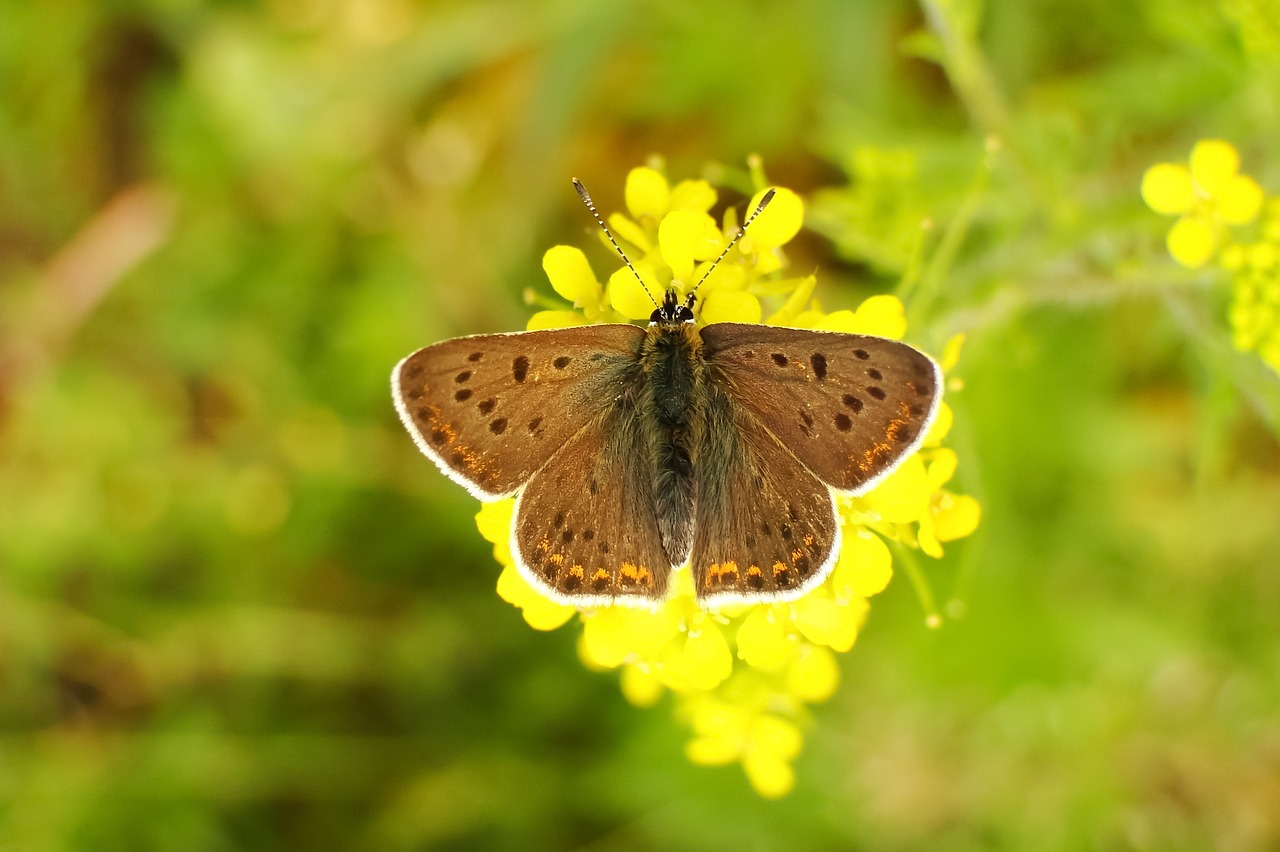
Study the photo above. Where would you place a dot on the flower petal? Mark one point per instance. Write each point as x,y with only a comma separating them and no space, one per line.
815,675
903,496
864,568
570,274
778,222
647,193
825,622
706,660
763,642
730,306
1240,200
882,316
843,320
554,319
942,466
1213,163
627,296
1167,189
625,229
640,687
540,612
1191,241
941,425
956,517
927,538
712,751
611,635
686,236
770,777
693,195
774,736
494,520
951,352
721,730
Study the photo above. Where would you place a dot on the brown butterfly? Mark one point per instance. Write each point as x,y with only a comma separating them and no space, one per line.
632,451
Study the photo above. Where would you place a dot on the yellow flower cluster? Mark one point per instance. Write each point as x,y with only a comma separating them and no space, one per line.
1254,313
1225,215
1207,196
670,236
742,676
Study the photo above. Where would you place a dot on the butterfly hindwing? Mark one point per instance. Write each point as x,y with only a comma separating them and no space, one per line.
849,406
490,410
586,526
767,527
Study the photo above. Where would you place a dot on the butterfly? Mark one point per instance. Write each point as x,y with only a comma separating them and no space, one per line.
633,451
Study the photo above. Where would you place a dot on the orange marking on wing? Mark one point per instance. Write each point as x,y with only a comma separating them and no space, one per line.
720,572
895,427
556,559
779,568
754,571
628,575
796,554
576,571
600,574
472,460
644,576
808,540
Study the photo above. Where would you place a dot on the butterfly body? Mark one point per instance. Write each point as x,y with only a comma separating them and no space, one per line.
672,417
633,451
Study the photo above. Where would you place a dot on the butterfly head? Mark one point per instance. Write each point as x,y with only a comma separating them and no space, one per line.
671,312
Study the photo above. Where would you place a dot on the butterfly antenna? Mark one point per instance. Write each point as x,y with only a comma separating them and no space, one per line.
586,199
768,196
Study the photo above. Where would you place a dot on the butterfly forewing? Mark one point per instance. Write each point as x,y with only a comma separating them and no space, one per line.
766,526
586,530
849,406
490,410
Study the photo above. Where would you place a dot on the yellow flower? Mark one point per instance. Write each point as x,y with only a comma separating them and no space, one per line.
741,676
672,241
494,522
1254,313
1210,197
1207,196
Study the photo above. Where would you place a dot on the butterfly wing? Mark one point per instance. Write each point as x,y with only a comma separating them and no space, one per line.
490,410
850,407
766,526
586,527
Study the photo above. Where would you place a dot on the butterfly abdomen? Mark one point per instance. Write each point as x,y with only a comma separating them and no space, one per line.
673,375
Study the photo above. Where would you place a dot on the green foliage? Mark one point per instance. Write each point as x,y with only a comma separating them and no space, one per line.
239,611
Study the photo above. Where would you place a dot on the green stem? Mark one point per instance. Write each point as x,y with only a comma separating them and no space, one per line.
965,64
952,239
924,592
911,275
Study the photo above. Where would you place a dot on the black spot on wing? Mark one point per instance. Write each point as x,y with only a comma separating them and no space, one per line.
819,363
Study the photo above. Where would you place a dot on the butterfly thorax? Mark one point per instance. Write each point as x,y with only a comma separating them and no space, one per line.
673,416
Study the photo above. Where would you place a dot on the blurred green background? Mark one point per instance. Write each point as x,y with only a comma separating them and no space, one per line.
239,611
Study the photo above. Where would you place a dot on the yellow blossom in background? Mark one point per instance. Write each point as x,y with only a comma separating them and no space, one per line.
741,676
1254,313
1207,195
1225,214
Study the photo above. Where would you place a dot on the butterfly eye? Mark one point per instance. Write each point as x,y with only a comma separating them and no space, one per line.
655,317
684,314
